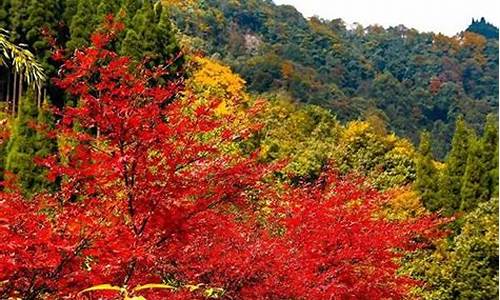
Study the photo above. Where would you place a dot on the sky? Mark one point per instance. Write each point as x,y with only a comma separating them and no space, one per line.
446,16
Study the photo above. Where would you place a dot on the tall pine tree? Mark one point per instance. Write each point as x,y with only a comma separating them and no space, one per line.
167,41
427,175
140,41
489,157
473,186
83,23
480,179
42,14
150,35
18,13
451,182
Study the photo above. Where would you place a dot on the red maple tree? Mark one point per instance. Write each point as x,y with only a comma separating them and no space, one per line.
148,196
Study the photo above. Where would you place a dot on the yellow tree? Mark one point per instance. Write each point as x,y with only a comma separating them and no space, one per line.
211,80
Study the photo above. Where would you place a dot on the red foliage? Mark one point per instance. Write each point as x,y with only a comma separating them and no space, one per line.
146,195
334,246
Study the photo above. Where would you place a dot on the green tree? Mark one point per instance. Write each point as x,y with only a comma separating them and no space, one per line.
4,14
18,13
480,177
306,135
139,40
166,40
427,175
466,267
4,138
42,14
474,187
451,182
83,23
494,175
106,7
130,7
489,156
150,35
69,10
25,144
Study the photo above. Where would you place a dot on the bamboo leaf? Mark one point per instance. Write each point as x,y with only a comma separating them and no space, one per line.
153,286
103,287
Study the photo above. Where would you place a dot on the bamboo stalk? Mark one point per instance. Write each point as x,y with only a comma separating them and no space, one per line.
14,94
8,89
20,92
38,97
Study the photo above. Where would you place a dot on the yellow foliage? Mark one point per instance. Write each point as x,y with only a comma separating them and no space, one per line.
404,203
212,79
357,129
403,146
385,159
439,165
354,129
180,3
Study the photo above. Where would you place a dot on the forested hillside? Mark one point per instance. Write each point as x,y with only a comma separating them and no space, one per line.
232,149
413,80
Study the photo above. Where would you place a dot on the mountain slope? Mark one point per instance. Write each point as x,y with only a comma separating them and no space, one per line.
413,80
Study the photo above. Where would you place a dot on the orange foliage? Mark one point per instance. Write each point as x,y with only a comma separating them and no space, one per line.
445,43
287,69
477,43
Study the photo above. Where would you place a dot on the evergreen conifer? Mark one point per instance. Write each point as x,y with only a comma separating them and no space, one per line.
451,182
426,181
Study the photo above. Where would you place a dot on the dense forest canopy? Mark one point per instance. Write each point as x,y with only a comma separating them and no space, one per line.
414,80
234,149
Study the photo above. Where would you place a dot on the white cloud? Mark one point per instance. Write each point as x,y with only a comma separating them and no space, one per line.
446,16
